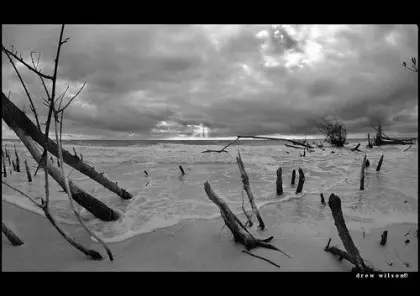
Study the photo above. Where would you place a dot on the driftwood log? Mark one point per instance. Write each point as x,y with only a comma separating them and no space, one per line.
13,116
362,174
239,231
91,204
378,167
28,172
279,182
247,188
300,181
353,255
11,236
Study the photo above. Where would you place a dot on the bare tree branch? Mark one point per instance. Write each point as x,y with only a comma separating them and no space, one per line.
24,194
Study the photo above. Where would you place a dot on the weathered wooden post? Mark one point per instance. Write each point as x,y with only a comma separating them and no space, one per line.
362,174
279,182
300,181
293,177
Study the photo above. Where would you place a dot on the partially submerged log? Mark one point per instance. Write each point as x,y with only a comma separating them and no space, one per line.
300,181
28,172
239,231
15,117
11,236
91,204
247,188
279,182
378,168
384,236
362,174
293,177
354,257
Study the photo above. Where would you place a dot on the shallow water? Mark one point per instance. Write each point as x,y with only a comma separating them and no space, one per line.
165,198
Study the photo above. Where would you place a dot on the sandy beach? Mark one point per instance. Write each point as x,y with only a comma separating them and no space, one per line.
201,245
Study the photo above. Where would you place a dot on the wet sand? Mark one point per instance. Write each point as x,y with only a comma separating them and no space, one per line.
202,245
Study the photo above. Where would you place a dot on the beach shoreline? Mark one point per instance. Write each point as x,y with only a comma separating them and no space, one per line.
200,245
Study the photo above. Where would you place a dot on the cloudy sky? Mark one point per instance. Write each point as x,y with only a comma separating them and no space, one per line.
174,81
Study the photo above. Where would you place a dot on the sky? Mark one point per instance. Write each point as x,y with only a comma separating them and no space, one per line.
216,81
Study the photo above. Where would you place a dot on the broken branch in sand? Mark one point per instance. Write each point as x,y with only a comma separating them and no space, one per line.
384,236
247,188
262,258
356,148
354,257
182,170
300,181
12,237
378,168
28,172
279,182
362,174
239,231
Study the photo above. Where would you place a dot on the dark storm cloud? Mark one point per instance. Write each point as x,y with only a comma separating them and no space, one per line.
157,81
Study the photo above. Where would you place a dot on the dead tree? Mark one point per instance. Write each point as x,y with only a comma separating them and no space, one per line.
18,118
362,173
293,177
239,231
28,172
300,181
279,182
334,131
247,188
352,255
12,237
383,139
378,168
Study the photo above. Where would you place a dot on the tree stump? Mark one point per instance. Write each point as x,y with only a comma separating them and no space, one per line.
293,177
378,168
300,181
279,182
362,174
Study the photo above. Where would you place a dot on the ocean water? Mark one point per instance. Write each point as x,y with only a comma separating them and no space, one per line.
165,198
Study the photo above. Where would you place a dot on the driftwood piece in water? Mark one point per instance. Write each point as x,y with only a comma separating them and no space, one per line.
28,172
182,170
300,143
362,174
16,118
17,161
334,203
91,204
384,236
293,177
239,231
378,167
356,148
300,181
291,146
279,182
323,199
247,188
407,148
11,236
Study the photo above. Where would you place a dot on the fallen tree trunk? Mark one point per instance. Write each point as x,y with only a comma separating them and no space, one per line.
14,116
91,204
11,236
354,257
247,188
240,233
